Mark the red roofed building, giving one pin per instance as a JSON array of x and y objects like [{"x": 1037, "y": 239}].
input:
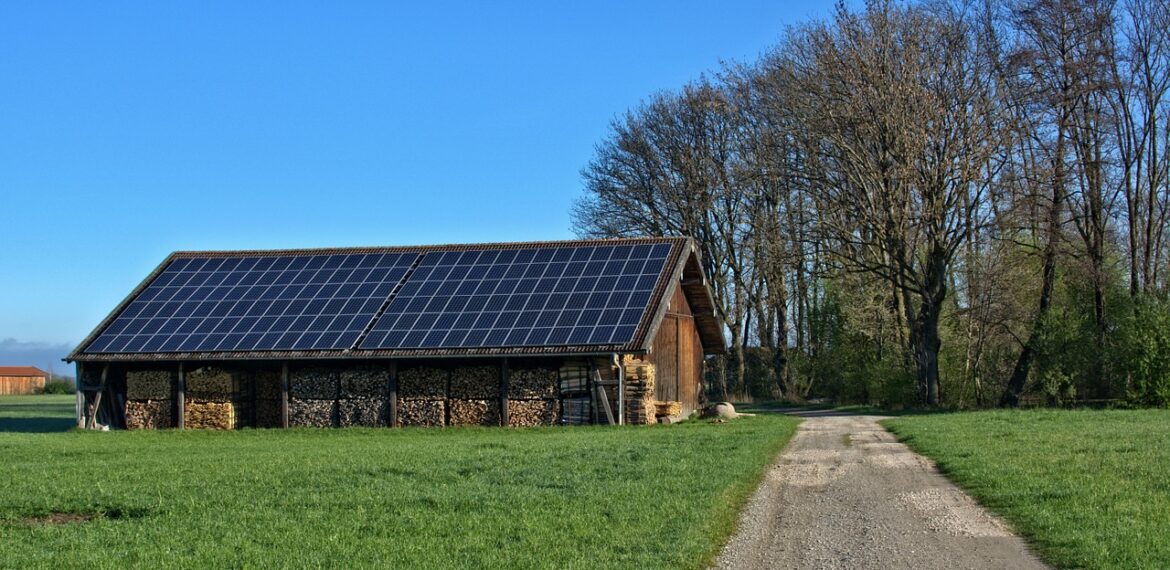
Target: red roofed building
[{"x": 22, "y": 380}]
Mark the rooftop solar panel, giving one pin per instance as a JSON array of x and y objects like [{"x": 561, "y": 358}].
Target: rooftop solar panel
[
  {"x": 545, "y": 296},
  {"x": 256, "y": 302}
]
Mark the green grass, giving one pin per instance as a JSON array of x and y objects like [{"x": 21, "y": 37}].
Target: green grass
[
  {"x": 582, "y": 497},
  {"x": 1089, "y": 489},
  {"x": 37, "y": 414}
]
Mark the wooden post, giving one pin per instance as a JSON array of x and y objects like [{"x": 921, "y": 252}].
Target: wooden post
[
  {"x": 181, "y": 399},
  {"x": 504, "y": 392},
  {"x": 284, "y": 395},
  {"x": 393, "y": 393},
  {"x": 621, "y": 391},
  {"x": 79, "y": 370}
]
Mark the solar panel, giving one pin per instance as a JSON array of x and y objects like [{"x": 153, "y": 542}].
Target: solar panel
[
  {"x": 544, "y": 296},
  {"x": 258, "y": 302}
]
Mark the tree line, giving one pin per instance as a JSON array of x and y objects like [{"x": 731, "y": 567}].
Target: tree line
[{"x": 933, "y": 203}]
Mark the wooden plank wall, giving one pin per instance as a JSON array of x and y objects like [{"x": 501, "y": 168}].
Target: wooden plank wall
[
  {"x": 10, "y": 385},
  {"x": 677, "y": 355}
]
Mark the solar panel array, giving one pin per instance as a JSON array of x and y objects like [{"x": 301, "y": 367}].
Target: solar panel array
[
  {"x": 542, "y": 296},
  {"x": 529, "y": 297},
  {"x": 307, "y": 302}
]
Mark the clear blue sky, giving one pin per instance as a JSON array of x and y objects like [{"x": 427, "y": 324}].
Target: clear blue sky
[{"x": 128, "y": 131}]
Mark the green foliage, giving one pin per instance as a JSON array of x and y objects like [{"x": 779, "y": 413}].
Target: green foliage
[
  {"x": 1146, "y": 338},
  {"x": 1087, "y": 488},
  {"x": 579, "y": 497},
  {"x": 59, "y": 387}
]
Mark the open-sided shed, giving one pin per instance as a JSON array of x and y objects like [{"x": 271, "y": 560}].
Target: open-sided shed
[{"x": 473, "y": 334}]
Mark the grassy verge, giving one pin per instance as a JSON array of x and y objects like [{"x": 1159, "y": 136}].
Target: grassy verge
[
  {"x": 1089, "y": 489},
  {"x": 590, "y": 497},
  {"x": 37, "y": 413}
]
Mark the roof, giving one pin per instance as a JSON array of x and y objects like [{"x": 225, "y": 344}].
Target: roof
[
  {"x": 22, "y": 371},
  {"x": 382, "y": 307}
]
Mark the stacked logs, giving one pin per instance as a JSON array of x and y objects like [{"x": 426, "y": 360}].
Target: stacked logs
[
  {"x": 312, "y": 397},
  {"x": 363, "y": 397},
  {"x": 667, "y": 408},
  {"x": 639, "y": 404},
  {"x": 528, "y": 413},
  {"x": 422, "y": 397},
  {"x": 474, "y": 396},
  {"x": 532, "y": 394},
  {"x": 150, "y": 395},
  {"x": 211, "y": 392},
  {"x": 480, "y": 412}
]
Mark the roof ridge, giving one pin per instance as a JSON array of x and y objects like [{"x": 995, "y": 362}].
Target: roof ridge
[{"x": 433, "y": 247}]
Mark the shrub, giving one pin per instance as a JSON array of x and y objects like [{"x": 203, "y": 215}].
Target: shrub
[{"x": 59, "y": 387}]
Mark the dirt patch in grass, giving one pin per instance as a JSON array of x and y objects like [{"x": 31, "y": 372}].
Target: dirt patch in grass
[{"x": 71, "y": 517}]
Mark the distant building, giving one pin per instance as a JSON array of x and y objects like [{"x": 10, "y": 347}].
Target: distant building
[{"x": 22, "y": 380}]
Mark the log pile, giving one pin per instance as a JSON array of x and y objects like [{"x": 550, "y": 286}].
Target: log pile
[
  {"x": 430, "y": 413},
  {"x": 532, "y": 383},
  {"x": 268, "y": 413},
  {"x": 209, "y": 415},
  {"x": 313, "y": 384},
  {"x": 475, "y": 382},
  {"x": 422, "y": 383},
  {"x": 364, "y": 382},
  {"x": 527, "y": 413},
  {"x": 303, "y": 412},
  {"x": 640, "y": 406},
  {"x": 474, "y": 412},
  {"x": 149, "y": 414},
  {"x": 212, "y": 384},
  {"x": 150, "y": 385},
  {"x": 667, "y": 408},
  {"x": 366, "y": 412}
]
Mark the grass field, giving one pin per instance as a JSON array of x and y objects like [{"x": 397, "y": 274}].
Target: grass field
[
  {"x": 1089, "y": 489},
  {"x": 37, "y": 414},
  {"x": 586, "y": 497}
]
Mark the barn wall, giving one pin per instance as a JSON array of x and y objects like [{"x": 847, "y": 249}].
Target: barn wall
[
  {"x": 11, "y": 385},
  {"x": 678, "y": 355}
]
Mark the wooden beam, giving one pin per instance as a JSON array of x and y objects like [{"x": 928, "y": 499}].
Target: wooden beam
[
  {"x": 504, "y": 392},
  {"x": 181, "y": 398},
  {"x": 393, "y": 392},
  {"x": 284, "y": 395}
]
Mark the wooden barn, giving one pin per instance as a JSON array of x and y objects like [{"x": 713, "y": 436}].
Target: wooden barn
[
  {"x": 509, "y": 334},
  {"x": 22, "y": 380}
]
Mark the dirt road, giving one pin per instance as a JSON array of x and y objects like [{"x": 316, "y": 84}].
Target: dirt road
[{"x": 846, "y": 494}]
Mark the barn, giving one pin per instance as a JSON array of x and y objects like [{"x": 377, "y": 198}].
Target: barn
[
  {"x": 22, "y": 380},
  {"x": 509, "y": 334}
]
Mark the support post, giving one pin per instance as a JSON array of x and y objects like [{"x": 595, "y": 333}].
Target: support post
[
  {"x": 79, "y": 370},
  {"x": 393, "y": 392},
  {"x": 284, "y": 395},
  {"x": 504, "y": 392},
  {"x": 181, "y": 398},
  {"x": 621, "y": 377}
]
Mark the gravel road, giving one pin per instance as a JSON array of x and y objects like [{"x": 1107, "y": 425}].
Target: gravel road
[{"x": 846, "y": 494}]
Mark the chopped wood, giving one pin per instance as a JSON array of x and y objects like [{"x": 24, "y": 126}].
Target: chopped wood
[
  {"x": 209, "y": 415},
  {"x": 364, "y": 382},
  {"x": 313, "y": 384},
  {"x": 268, "y": 413},
  {"x": 149, "y": 414},
  {"x": 640, "y": 412},
  {"x": 150, "y": 384},
  {"x": 475, "y": 382},
  {"x": 667, "y": 408},
  {"x": 211, "y": 384},
  {"x": 422, "y": 383},
  {"x": 367, "y": 412},
  {"x": 304, "y": 412},
  {"x": 431, "y": 413},
  {"x": 267, "y": 384},
  {"x": 532, "y": 383},
  {"x": 525, "y": 413},
  {"x": 475, "y": 412}
]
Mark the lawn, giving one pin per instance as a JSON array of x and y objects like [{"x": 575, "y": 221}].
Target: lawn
[
  {"x": 39, "y": 413},
  {"x": 582, "y": 497},
  {"x": 1088, "y": 489}
]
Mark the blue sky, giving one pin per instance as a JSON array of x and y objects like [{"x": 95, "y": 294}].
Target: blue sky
[{"x": 128, "y": 131}]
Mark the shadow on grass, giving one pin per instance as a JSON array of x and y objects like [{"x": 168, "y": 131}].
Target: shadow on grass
[
  {"x": 828, "y": 410},
  {"x": 36, "y": 425}
]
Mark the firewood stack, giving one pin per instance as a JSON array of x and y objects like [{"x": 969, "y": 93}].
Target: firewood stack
[
  {"x": 363, "y": 397},
  {"x": 149, "y": 414},
  {"x": 150, "y": 398},
  {"x": 639, "y": 404},
  {"x": 312, "y": 397},
  {"x": 528, "y": 413},
  {"x": 422, "y": 397},
  {"x": 475, "y": 412},
  {"x": 667, "y": 408},
  {"x": 210, "y": 399},
  {"x": 532, "y": 394}
]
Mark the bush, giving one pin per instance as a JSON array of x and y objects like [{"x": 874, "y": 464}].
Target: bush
[
  {"x": 1147, "y": 340},
  {"x": 59, "y": 387}
]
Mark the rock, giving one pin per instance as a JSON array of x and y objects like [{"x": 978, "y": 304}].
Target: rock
[{"x": 720, "y": 410}]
